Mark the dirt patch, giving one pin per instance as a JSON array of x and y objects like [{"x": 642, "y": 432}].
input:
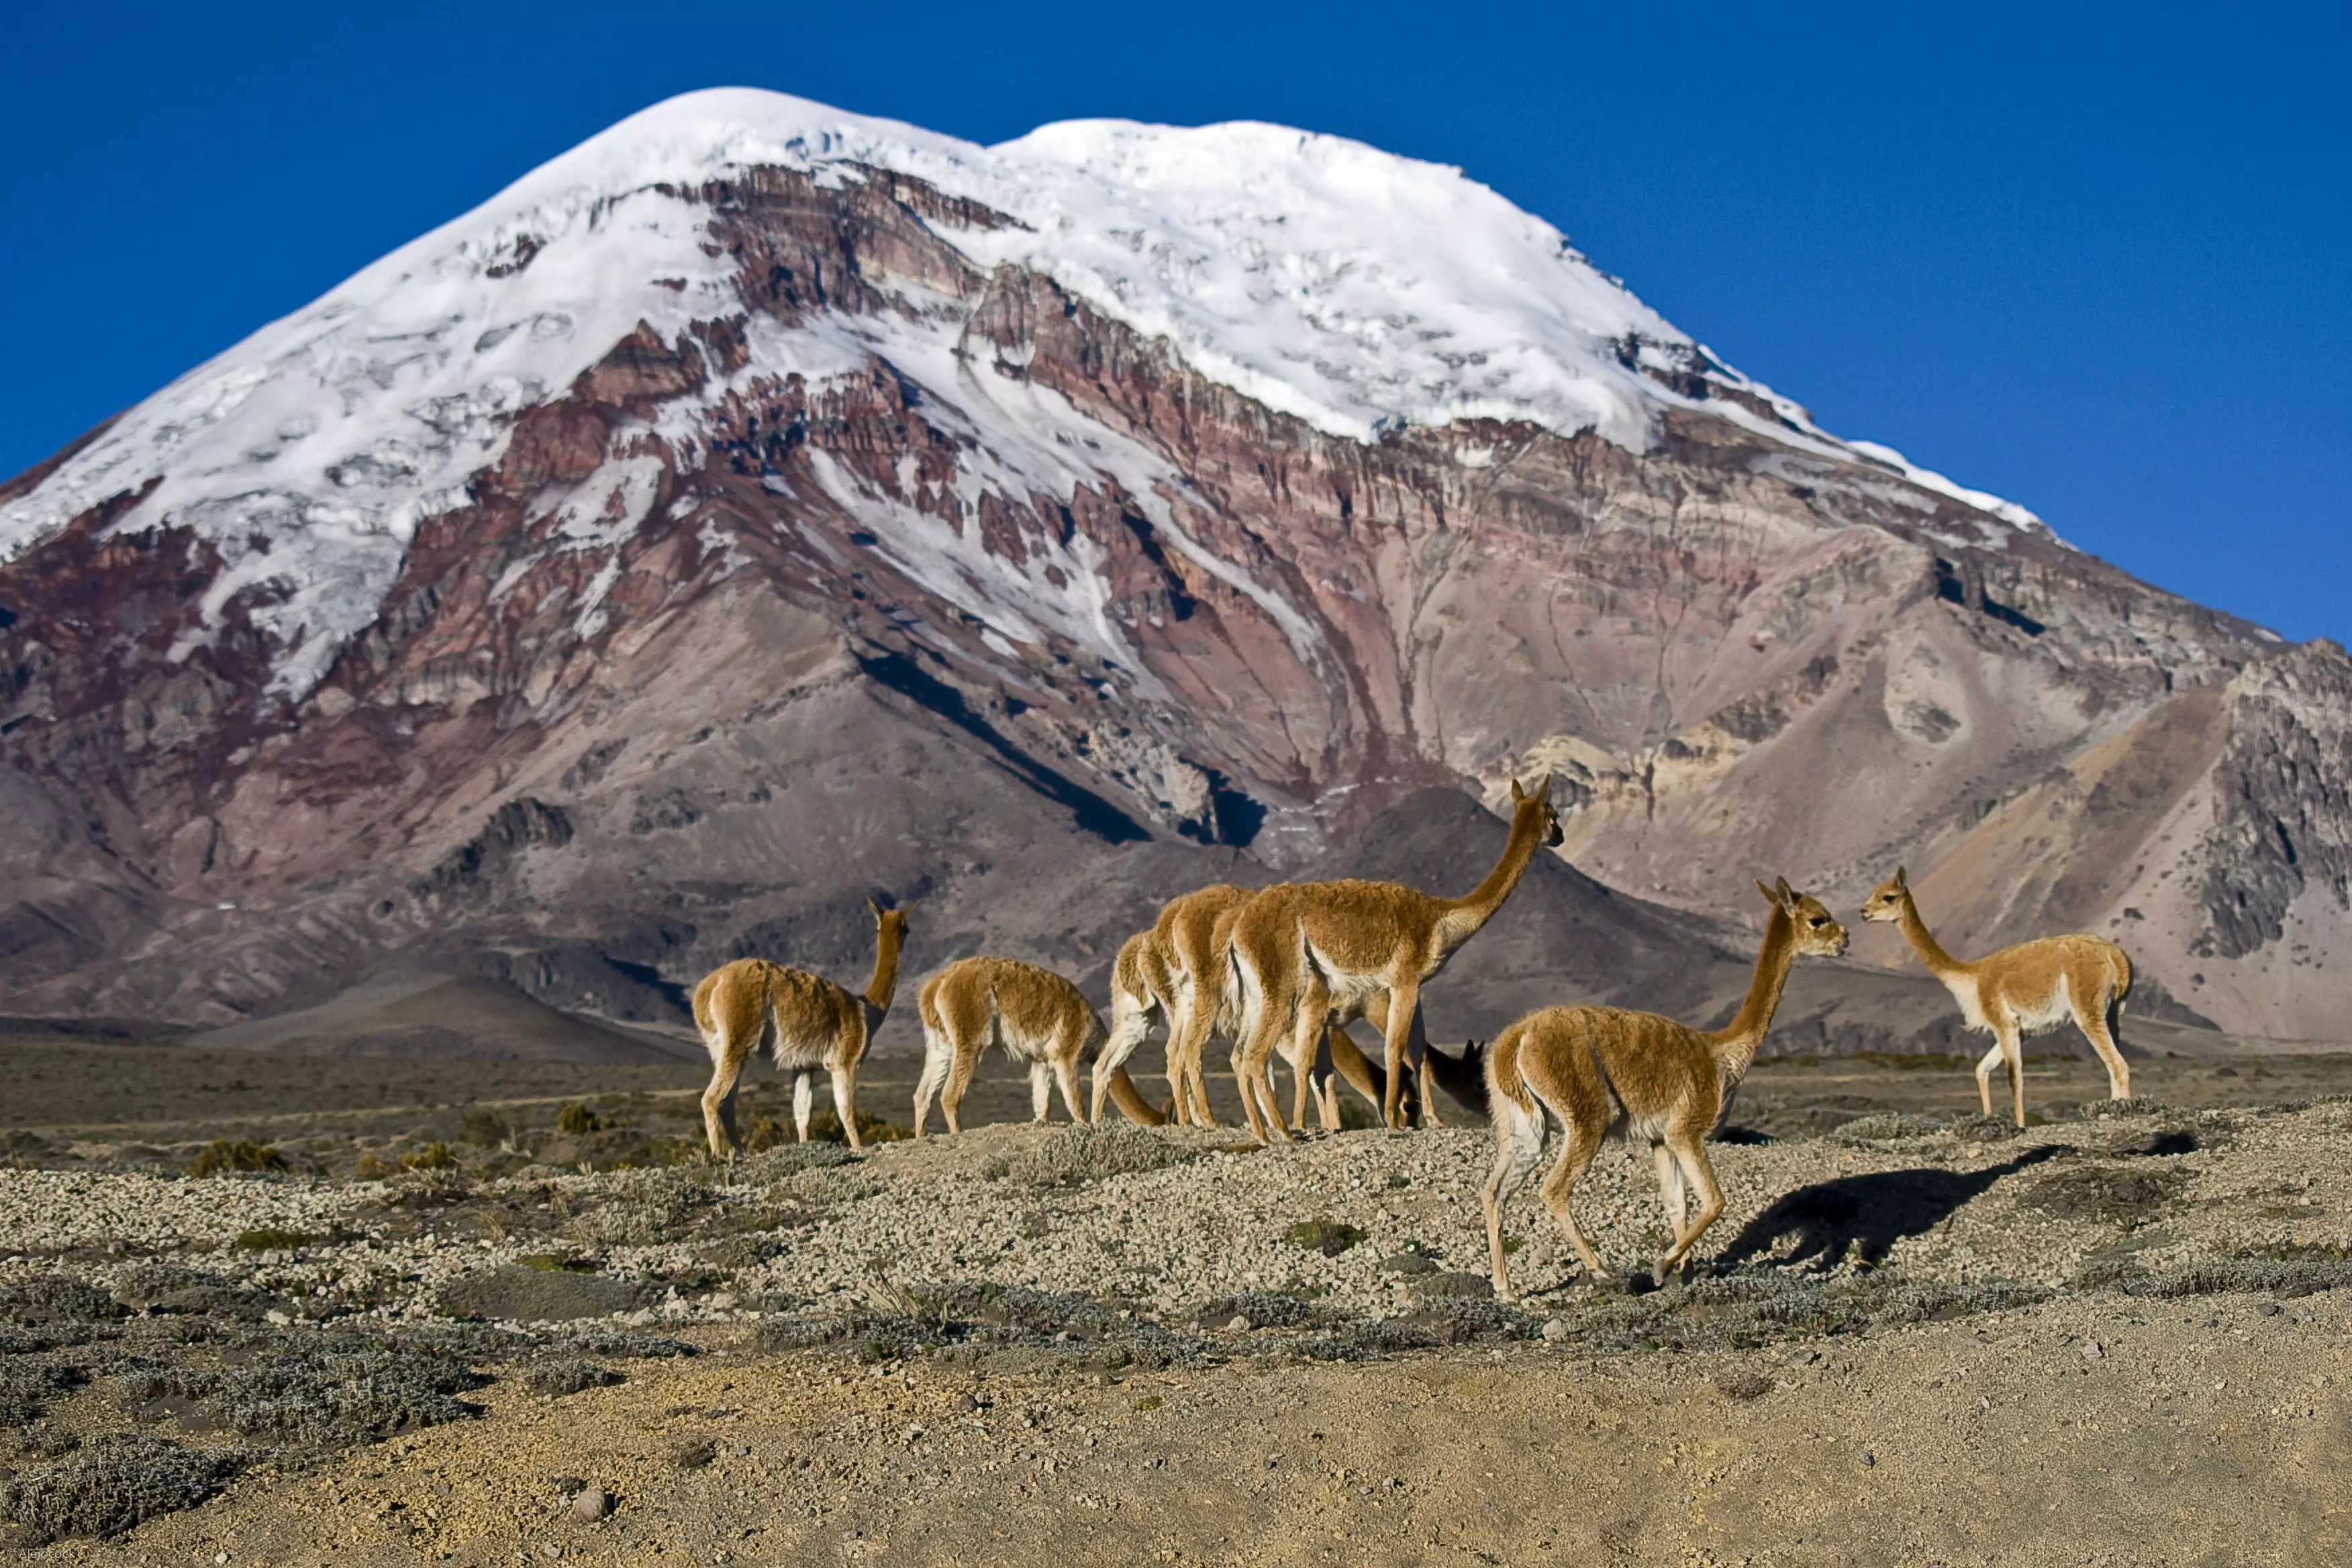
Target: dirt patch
[
  {"x": 2106, "y": 1193},
  {"x": 517, "y": 1294}
]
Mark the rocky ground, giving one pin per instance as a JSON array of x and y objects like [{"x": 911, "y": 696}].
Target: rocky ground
[{"x": 1916, "y": 1336}]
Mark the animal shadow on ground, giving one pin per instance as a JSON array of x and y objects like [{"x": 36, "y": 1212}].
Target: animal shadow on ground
[{"x": 1861, "y": 1217}]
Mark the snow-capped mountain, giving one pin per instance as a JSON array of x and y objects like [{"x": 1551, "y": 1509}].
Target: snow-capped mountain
[{"x": 589, "y": 574}]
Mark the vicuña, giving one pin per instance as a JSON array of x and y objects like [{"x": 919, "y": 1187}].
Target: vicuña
[
  {"x": 803, "y": 1021},
  {"x": 1037, "y": 1017},
  {"x": 1594, "y": 1070},
  {"x": 2022, "y": 990},
  {"x": 1304, "y": 951}
]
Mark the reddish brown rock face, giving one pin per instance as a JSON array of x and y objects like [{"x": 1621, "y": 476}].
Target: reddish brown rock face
[{"x": 704, "y": 652}]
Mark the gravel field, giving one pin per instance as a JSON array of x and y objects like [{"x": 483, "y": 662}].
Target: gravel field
[{"x": 175, "y": 1350}]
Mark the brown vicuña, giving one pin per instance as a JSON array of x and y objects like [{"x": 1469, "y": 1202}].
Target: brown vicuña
[
  {"x": 802, "y": 1020},
  {"x": 1142, "y": 994},
  {"x": 1148, "y": 988},
  {"x": 1304, "y": 951},
  {"x": 1189, "y": 936},
  {"x": 2022, "y": 990},
  {"x": 1598, "y": 1070},
  {"x": 1034, "y": 1015}
]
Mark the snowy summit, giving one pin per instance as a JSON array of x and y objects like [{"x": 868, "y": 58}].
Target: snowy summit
[{"x": 1356, "y": 290}]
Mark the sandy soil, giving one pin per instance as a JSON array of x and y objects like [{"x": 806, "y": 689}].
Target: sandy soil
[{"x": 2078, "y": 1432}]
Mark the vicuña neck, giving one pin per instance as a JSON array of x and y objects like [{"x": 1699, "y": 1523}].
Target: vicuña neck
[
  {"x": 1941, "y": 965},
  {"x": 1476, "y": 907},
  {"x": 884, "y": 983},
  {"x": 1736, "y": 1043}
]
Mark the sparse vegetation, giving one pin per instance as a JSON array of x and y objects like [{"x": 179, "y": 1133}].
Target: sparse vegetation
[
  {"x": 1327, "y": 1237},
  {"x": 485, "y": 1128},
  {"x": 267, "y": 1240},
  {"x": 224, "y": 1156},
  {"x": 434, "y": 1156},
  {"x": 577, "y": 1120},
  {"x": 109, "y": 1484}
]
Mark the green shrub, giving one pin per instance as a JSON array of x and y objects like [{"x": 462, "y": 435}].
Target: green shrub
[
  {"x": 26, "y": 1385},
  {"x": 269, "y": 1240},
  {"x": 434, "y": 1156},
  {"x": 223, "y": 1155},
  {"x": 576, "y": 1120},
  {"x": 1327, "y": 1237}
]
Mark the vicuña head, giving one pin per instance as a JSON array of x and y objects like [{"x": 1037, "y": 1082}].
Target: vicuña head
[{"x": 1886, "y": 902}]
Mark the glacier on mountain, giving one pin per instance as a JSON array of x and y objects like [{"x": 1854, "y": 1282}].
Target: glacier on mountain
[{"x": 1351, "y": 288}]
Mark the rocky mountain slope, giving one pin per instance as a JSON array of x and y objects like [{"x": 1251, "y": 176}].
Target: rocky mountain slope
[{"x": 761, "y": 506}]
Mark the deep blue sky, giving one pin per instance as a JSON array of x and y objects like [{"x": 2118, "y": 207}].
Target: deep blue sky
[{"x": 2091, "y": 259}]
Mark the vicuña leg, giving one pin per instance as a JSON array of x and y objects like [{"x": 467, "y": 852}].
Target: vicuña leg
[
  {"x": 1130, "y": 1020},
  {"x": 803, "y": 1103},
  {"x": 2101, "y": 1032},
  {"x": 1985, "y": 1064},
  {"x": 1577, "y": 1146},
  {"x": 719, "y": 1099},
  {"x": 966, "y": 1059},
  {"x": 1404, "y": 1000},
  {"x": 1518, "y": 1150},
  {"x": 1670, "y": 1188},
  {"x": 939, "y": 1058},
  {"x": 1067, "y": 1046},
  {"x": 844, "y": 1103},
  {"x": 2012, "y": 1052},
  {"x": 1690, "y": 1153}
]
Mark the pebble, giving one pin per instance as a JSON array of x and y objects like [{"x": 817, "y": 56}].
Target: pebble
[
  {"x": 1556, "y": 1330},
  {"x": 593, "y": 1503}
]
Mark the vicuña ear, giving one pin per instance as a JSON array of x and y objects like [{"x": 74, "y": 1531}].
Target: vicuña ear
[
  {"x": 1516, "y": 794},
  {"x": 875, "y": 907},
  {"x": 1769, "y": 896},
  {"x": 1784, "y": 895},
  {"x": 1549, "y": 779},
  {"x": 1899, "y": 880}
]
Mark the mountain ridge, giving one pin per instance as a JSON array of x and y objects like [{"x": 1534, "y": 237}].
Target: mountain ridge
[{"x": 712, "y": 523}]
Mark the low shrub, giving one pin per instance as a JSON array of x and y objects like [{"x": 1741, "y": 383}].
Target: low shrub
[
  {"x": 56, "y": 1299},
  {"x": 224, "y": 1156},
  {"x": 271, "y": 1240},
  {"x": 111, "y": 1483},
  {"x": 1328, "y": 1238},
  {"x": 824, "y": 1127},
  {"x": 26, "y": 1386},
  {"x": 434, "y": 1156},
  {"x": 577, "y": 1120}
]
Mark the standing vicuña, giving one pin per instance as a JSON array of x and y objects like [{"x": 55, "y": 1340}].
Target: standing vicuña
[
  {"x": 803, "y": 1020},
  {"x": 1189, "y": 938},
  {"x": 1038, "y": 1018},
  {"x": 2022, "y": 990},
  {"x": 1303, "y": 952},
  {"x": 1598, "y": 1070}
]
